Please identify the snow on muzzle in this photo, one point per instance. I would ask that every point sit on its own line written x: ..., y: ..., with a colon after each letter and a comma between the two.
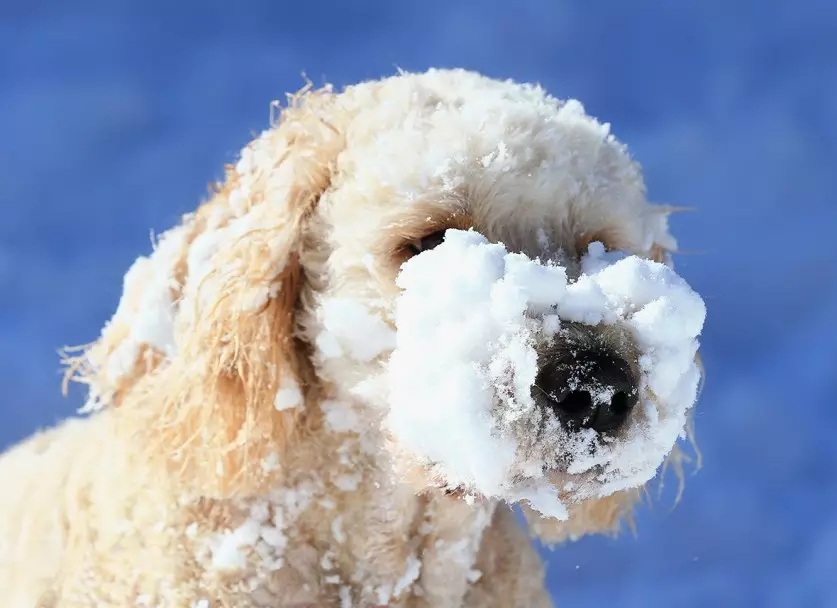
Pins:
x: 470, y: 321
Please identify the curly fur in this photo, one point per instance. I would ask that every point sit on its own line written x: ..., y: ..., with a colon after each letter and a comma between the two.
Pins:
x: 185, y: 453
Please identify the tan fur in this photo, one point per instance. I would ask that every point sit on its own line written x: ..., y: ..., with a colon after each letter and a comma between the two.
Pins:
x: 131, y: 506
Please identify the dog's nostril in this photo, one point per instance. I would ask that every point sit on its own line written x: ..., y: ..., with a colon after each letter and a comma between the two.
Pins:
x: 612, y: 413
x: 592, y: 391
x: 620, y: 403
x: 576, y: 402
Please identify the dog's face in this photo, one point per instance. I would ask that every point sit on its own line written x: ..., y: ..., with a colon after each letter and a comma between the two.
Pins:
x: 450, y: 151
x: 290, y: 288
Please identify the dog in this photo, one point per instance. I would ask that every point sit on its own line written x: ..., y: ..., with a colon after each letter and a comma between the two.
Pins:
x: 239, y: 446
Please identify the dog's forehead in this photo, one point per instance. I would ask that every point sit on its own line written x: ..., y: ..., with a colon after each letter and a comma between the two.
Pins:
x: 523, y: 166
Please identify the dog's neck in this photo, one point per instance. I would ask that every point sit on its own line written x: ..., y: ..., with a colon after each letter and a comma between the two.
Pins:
x: 345, y: 501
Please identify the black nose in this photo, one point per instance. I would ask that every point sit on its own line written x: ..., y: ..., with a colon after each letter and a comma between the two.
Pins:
x: 588, y: 390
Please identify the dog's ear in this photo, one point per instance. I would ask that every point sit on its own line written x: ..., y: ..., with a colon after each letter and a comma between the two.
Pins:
x: 598, y: 516
x: 200, y: 362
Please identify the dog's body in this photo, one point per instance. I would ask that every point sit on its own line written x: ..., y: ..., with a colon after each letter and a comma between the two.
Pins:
x: 94, y: 527
x: 238, y: 458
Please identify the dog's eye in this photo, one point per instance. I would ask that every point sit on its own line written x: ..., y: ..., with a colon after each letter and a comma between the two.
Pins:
x: 426, y: 242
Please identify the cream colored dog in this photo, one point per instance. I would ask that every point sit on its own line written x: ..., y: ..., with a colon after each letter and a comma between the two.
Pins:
x: 232, y: 456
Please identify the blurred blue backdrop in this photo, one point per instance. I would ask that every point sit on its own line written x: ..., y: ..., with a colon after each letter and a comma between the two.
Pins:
x: 114, y: 115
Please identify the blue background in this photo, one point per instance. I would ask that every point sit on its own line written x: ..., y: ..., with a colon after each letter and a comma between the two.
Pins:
x: 114, y: 116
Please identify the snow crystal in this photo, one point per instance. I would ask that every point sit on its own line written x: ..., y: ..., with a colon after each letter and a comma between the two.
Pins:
x: 270, y: 462
x: 288, y: 396
x: 337, y: 529
x: 345, y: 597
x: 469, y: 321
x: 350, y: 327
x: 147, y: 308
x: 339, y: 416
x: 348, y: 483
x: 262, y: 532
x: 229, y: 553
x: 386, y: 593
x: 410, y: 576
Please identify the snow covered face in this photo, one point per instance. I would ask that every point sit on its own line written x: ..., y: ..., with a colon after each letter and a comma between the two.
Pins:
x: 493, y: 287
x: 513, y: 381
x: 507, y: 378
x: 461, y: 276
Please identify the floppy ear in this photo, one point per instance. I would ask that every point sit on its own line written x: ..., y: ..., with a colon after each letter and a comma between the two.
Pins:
x: 200, y: 362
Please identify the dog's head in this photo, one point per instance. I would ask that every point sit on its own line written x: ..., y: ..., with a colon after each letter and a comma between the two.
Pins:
x: 468, y: 269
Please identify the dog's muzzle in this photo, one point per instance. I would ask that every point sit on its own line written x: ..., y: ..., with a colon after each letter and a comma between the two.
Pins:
x: 586, y: 388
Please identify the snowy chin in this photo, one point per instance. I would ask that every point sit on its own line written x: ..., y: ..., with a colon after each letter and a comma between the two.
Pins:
x: 470, y: 321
